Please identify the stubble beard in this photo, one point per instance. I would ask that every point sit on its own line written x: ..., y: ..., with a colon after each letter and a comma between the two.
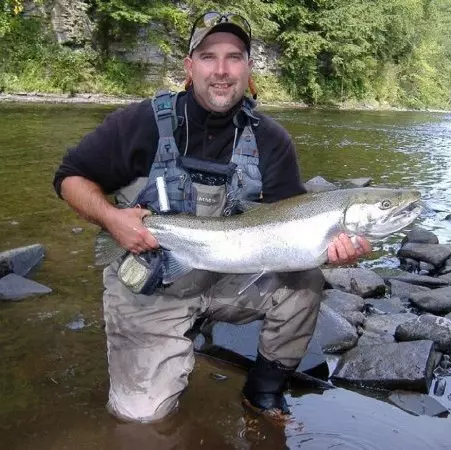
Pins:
x: 223, y: 102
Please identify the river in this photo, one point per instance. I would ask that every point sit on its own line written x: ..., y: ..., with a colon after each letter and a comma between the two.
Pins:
x: 53, y: 374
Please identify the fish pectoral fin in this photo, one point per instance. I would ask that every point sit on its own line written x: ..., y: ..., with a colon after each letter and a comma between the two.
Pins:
x: 173, y: 269
x: 250, y: 281
x: 106, y: 249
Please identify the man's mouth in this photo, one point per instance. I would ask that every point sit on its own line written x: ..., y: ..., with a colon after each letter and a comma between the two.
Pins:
x: 221, y: 85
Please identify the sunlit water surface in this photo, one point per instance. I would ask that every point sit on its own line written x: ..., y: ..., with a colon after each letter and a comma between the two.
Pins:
x: 53, y: 378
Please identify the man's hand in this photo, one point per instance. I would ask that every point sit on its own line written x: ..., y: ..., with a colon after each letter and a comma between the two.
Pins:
x: 127, y: 228
x: 343, y: 251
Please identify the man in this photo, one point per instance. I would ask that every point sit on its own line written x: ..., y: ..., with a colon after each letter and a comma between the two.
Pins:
x: 201, y: 153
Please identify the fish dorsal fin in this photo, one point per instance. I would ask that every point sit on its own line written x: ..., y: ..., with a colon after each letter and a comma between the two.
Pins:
x: 173, y: 269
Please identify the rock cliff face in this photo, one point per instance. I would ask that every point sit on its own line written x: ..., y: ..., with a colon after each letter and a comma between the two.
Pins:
x: 73, y: 27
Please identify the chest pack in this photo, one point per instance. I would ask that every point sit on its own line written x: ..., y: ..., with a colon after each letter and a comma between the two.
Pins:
x: 181, y: 184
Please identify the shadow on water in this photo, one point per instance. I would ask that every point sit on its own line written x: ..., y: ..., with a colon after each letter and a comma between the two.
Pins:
x: 53, y: 375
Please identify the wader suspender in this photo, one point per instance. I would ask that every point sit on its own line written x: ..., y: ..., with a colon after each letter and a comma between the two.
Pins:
x: 177, y: 180
x: 247, y: 180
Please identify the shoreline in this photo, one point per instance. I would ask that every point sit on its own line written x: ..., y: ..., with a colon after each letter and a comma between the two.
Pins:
x: 104, y: 99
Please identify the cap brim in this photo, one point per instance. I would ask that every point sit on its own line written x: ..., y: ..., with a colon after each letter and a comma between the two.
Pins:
x: 225, y: 27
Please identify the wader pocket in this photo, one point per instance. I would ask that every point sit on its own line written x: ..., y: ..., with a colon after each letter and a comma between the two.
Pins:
x: 143, y: 273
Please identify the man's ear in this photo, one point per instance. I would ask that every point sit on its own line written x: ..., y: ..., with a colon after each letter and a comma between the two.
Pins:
x: 188, y: 65
x: 250, y: 63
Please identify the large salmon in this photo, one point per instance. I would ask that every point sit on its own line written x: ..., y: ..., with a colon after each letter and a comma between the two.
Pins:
x: 289, y: 235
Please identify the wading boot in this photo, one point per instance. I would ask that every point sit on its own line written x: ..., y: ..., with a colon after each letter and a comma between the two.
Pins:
x: 264, y: 388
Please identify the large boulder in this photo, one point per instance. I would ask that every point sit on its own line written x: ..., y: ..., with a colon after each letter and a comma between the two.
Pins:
x: 436, y: 301
x: 22, y: 260
x: 362, y: 282
x: 427, y: 326
x: 333, y: 332
x: 14, y: 287
x: 399, y: 365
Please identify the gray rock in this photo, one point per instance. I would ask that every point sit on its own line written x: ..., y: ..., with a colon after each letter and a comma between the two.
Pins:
x: 420, y: 280
x: 341, y: 301
x: 448, y: 316
x: 435, y: 301
x: 420, y: 236
x: 392, y: 305
x: 404, y: 290
x: 417, y: 404
x: 384, y: 326
x: 319, y: 184
x: 14, y: 287
x: 435, y: 254
x: 334, y: 333
x: 23, y: 260
x: 362, y: 282
x: 355, y: 318
x: 371, y: 338
x: 427, y: 326
x: 445, y: 277
x: 401, y: 365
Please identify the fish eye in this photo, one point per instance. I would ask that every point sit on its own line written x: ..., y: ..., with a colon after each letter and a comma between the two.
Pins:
x: 385, y: 204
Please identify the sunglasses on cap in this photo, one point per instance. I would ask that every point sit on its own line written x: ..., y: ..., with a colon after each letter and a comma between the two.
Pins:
x: 205, y: 24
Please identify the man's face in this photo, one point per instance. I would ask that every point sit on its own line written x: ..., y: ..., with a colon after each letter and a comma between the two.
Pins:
x: 219, y: 68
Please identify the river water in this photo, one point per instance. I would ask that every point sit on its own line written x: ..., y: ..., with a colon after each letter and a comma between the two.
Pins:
x: 53, y: 374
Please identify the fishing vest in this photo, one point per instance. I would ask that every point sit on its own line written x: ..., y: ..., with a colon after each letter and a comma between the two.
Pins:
x: 181, y: 184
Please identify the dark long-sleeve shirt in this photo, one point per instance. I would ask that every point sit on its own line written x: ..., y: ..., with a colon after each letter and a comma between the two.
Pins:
x: 123, y: 147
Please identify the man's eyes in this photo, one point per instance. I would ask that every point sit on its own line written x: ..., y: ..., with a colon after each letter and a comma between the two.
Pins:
x: 233, y: 57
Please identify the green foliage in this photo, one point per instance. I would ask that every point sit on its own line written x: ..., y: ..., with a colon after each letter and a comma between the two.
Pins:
x: 395, y: 52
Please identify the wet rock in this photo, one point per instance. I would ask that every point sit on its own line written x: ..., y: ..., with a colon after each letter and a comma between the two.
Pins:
x: 362, y: 282
x: 243, y: 340
x: 439, y: 387
x: 334, y: 333
x: 399, y: 365
x: 382, y: 328
x: 417, y: 404
x: 404, y: 290
x: 420, y: 280
x: 409, y: 265
x: 435, y: 254
x: 319, y: 184
x: 15, y: 287
x: 392, y: 305
x: 435, y: 301
x: 427, y: 326
x: 355, y: 318
x: 5, y: 268
x: 341, y: 301
x: 445, y: 277
x: 78, y: 323
x: 23, y: 260
x: 420, y: 236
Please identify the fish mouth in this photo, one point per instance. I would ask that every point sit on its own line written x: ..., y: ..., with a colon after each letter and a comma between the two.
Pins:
x: 399, y: 218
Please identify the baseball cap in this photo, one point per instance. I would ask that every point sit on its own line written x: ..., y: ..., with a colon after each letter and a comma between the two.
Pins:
x: 212, y: 22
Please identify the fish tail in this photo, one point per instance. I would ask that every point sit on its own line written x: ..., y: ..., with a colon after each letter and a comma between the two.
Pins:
x: 106, y: 249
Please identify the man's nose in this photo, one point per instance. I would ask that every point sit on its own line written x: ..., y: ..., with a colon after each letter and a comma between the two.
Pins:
x: 221, y: 66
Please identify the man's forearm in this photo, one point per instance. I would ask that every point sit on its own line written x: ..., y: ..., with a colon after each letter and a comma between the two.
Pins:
x: 87, y: 199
